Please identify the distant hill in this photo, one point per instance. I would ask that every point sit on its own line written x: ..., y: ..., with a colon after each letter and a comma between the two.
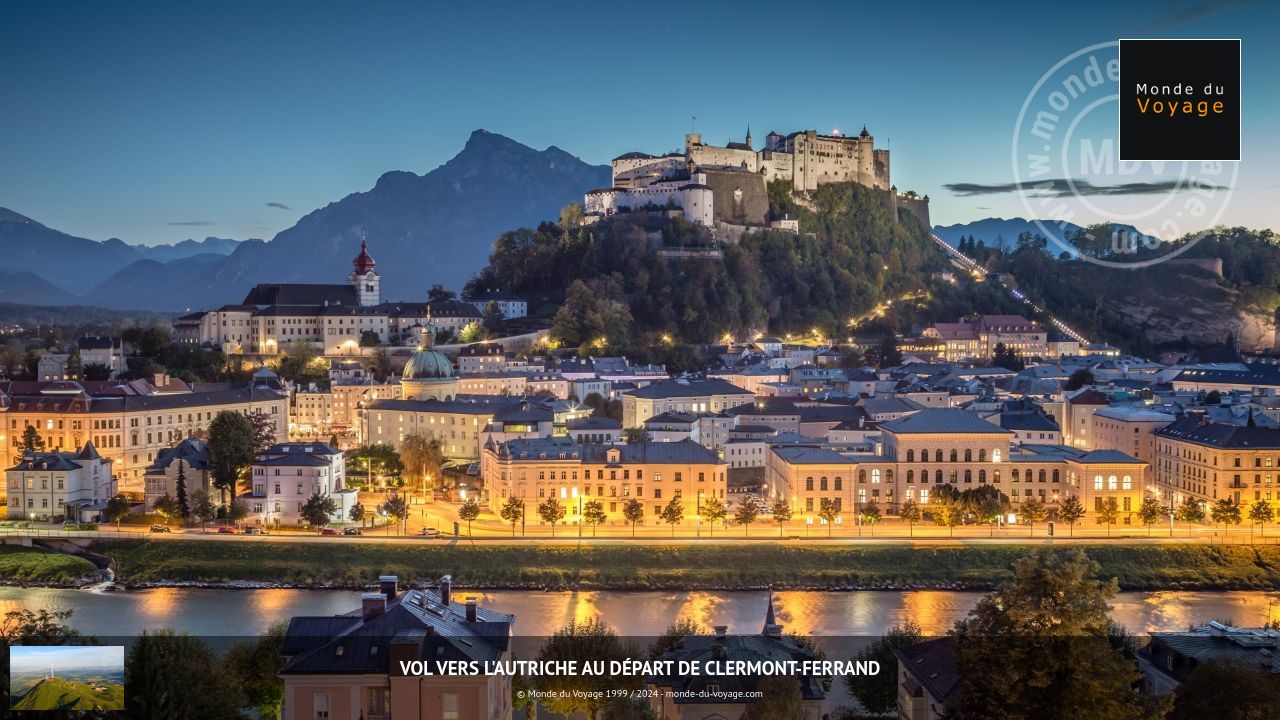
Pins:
x: 188, y: 248
x: 422, y: 229
x: 75, y: 263
x: 60, y: 694
x: 22, y: 286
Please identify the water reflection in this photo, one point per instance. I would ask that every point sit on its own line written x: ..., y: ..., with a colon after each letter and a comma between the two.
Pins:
x: 245, y: 612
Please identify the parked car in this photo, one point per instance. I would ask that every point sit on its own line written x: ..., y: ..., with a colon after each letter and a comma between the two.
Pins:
x: 329, y: 531
x: 160, y: 529
x: 352, y: 531
x: 257, y: 530
x: 226, y: 530
x: 429, y: 532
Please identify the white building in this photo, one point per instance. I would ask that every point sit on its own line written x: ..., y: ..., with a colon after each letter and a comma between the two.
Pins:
x: 104, y: 351
x: 43, y: 486
x: 288, y: 474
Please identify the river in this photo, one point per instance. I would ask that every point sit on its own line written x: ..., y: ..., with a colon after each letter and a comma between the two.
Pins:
x: 225, y: 613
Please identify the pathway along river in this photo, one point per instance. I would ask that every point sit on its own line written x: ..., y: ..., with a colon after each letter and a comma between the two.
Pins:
x: 248, y: 612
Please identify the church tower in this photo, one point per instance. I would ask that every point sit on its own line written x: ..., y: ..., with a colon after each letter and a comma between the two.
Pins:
x: 367, y: 283
x: 749, y: 145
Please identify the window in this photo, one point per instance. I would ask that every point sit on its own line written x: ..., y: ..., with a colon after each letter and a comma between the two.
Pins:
x: 1097, y: 482
x: 808, y: 483
x: 320, y: 706
x: 449, y: 706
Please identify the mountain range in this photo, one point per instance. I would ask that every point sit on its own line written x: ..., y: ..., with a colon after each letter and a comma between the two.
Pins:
x: 992, y: 230
x: 422, y: 229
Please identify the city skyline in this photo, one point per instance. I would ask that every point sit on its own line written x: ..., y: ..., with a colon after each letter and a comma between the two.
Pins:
x: 180, y: 124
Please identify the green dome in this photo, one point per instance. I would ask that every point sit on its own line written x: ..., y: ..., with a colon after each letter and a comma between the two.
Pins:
x: 427, y: 364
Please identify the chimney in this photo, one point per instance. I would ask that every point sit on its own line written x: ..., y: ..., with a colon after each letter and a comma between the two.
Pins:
x: 389, y: 585
x: 446, y: 590
x: 372, y: 605
x: 471, y: 609
x: 721, y: 630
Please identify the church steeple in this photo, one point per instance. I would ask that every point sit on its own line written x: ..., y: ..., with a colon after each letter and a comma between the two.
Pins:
x: 366, y: 282
x: 749, y: 136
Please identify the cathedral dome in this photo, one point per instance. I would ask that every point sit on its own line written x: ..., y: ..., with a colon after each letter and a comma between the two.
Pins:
x: 427, y: 364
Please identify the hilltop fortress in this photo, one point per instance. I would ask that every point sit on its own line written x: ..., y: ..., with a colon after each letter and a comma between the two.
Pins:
x: 725, y: 188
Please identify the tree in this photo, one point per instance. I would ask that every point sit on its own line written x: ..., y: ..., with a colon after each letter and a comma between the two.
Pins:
x: 184, y: 508
x: 171, y: 675
x: 202, y: 506
x: 166, y: 507
x: 380, y: 364
x: 1150, y: 512
x: 1042, y: 645
x: 1071, y: 512
x: 237, y: 510
x: 747, y: 512
x: 1006, y: 357
x: 1079, y: 379
x: 890, y: 355
x: 494, y: 321
x: 593, y: 514
x: 1223, y: 690
x: 871, y: 515
x: 437, y: 294
x: 231, y: 448
x: 1190, y: 511
x: 251, y: 667
x: 369, y: 338
x: 1108, y: 513
x: 513, y: 512
x: 38, y: 627
x: 1032, y: 512
x: 356, y: 513
x: 878, y: 693
x: 714, y: 512
x: 264, y: 431
x: 673, y: 513
x: 829, y: 510
x: 318, y: 510
x: 75, y: 366
x: 581, y: 642
x: 1261, y: 513
x: 31, y: 441
x: 97, y: 372
x: 117, y: 507
x: 396, y: 508
x: 910, y: 514
x: 781, y: 512
x: 423, y: 456
x: 1227, y: 512
x: 551, y: 511
x: 780, y: 699
x: 469, y: 511
x: 633, y: 512
x: 1213, y: 397
x: 635, y: 436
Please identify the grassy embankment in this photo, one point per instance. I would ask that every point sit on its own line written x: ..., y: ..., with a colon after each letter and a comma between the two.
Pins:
x: 644, y: 567
x: 24, y: 565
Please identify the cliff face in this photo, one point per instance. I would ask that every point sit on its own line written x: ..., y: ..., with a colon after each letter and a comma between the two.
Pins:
x: 1186, y: 300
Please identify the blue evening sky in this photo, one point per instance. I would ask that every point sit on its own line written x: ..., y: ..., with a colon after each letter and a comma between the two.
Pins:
x: 33, y: 658
x: 155, y: 122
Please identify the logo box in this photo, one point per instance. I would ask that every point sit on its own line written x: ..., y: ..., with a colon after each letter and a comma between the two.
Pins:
x: 1180, y: 100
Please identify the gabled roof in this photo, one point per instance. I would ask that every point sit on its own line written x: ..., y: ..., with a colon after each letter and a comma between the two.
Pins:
x: 301, y: 294
x: 349, y: 644
x: 942, y: 420
x: 1193, y: 429
x: 933, y: 665
x: 664, y: 389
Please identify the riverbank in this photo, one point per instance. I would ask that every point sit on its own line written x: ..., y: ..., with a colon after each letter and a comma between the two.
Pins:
x: 142, y: 563
x: 27, y: 566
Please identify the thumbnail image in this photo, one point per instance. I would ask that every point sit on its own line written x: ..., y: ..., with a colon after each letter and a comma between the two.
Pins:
x: 66, y: 677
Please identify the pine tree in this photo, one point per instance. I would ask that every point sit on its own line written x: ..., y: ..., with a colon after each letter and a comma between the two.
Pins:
x: 183, y: 507
x: 31, y: 441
